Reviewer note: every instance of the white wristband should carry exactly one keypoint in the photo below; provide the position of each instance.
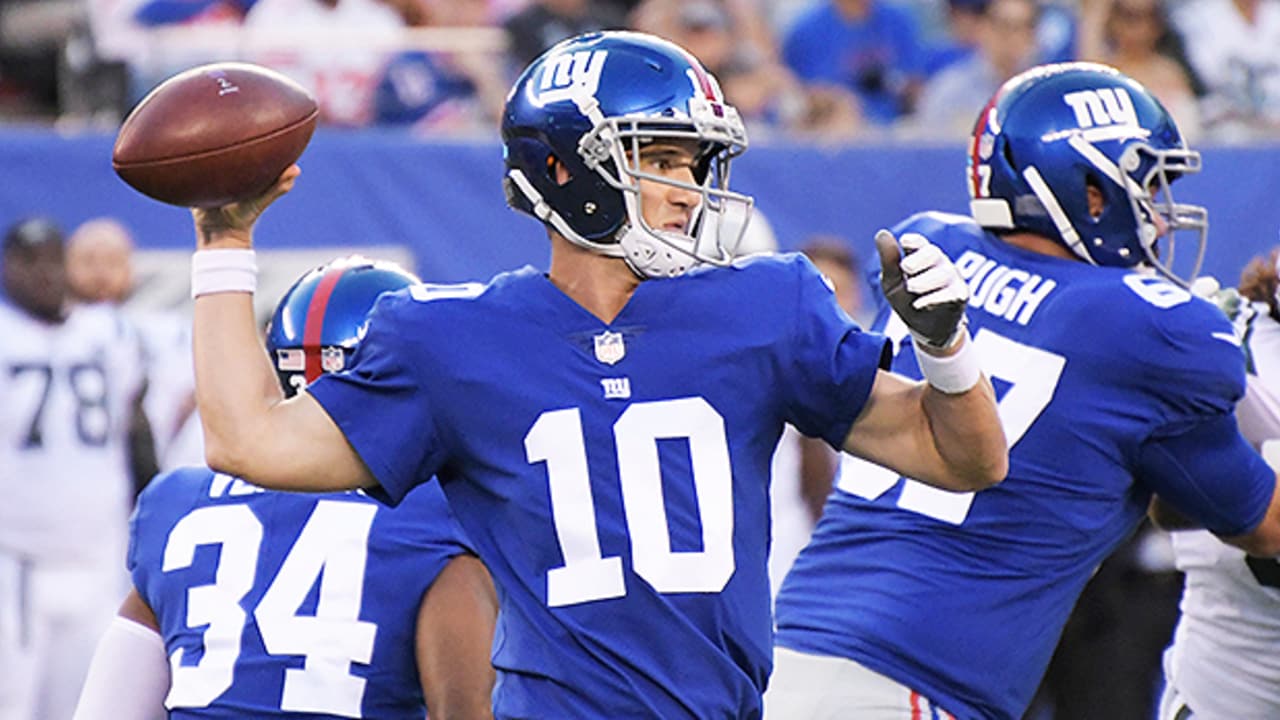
(223, 270)
(953, 374)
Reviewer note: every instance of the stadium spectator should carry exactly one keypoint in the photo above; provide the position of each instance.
(154, 13)
(952, 98)
(69, 377)
(911, 601)
(151, 40)
(961, 32)
(458, 91)
(871, 47)
(1056, 31)
(343, 79)
(604, 429)
(1234, 48)
(1131, 36)
(1222, 662)
(730, 39)
(544, 23)
(403, 611)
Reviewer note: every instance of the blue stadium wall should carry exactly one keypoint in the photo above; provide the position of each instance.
(443, 199)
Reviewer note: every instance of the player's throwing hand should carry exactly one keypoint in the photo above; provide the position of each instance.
(924, 288)
(232, 225)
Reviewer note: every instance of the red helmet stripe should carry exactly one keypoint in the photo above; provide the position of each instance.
(314, 328)
(704, 80)
(978, 131)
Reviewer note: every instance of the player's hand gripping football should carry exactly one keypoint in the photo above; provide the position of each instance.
(231, 226)
(924, 288)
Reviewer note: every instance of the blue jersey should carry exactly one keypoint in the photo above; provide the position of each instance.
(283, 605)
(613, 477)
(963, 596)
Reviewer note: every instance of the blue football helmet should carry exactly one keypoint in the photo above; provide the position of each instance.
(591, 102)
(1054, 130)
(318, 323)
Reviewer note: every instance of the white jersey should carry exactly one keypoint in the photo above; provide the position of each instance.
(1224, 661)
(65, 394)
(170, 404)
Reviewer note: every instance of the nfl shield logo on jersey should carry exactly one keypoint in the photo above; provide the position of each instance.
(609, 347)
(331, 359)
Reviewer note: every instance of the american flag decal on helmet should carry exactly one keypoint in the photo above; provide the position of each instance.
(291, 359)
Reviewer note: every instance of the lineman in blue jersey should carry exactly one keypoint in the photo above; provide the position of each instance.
(604, 430)
(282, 605)
(1222, 663)
(1114, 383)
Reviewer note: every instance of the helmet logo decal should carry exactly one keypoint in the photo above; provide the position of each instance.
(1104, 106)
(332, 359)
(569, 77)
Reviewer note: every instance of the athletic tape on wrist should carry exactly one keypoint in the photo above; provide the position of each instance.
(953, 374)
(223, 270)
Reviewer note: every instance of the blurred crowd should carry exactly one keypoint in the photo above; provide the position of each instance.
(815, 69)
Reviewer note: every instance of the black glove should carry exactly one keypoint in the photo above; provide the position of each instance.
(924, 288)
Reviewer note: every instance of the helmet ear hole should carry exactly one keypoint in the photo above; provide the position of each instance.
(1094, 196)
(558, 172)
(1007, 151)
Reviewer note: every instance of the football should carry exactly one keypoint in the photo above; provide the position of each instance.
(214, 134)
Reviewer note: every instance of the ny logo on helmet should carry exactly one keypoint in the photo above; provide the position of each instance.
(571, 76)
(1104, 106)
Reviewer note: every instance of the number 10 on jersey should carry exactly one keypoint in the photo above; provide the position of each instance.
(557, 439)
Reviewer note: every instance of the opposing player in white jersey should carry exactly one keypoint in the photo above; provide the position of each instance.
(604, 430)
(100, 277)
(1114, 381)
(253, 603)
(1223, 663)
(68, 380)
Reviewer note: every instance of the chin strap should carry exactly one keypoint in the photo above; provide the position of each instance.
(544, 212)
(652, 257)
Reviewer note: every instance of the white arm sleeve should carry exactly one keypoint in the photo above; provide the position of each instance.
(128, 677)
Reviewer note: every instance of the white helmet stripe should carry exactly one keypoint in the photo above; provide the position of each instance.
(1104, 164)
(1059, 217)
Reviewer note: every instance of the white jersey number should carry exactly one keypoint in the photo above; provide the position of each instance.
(556, 438)
(332, 547)
(1032, 375)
